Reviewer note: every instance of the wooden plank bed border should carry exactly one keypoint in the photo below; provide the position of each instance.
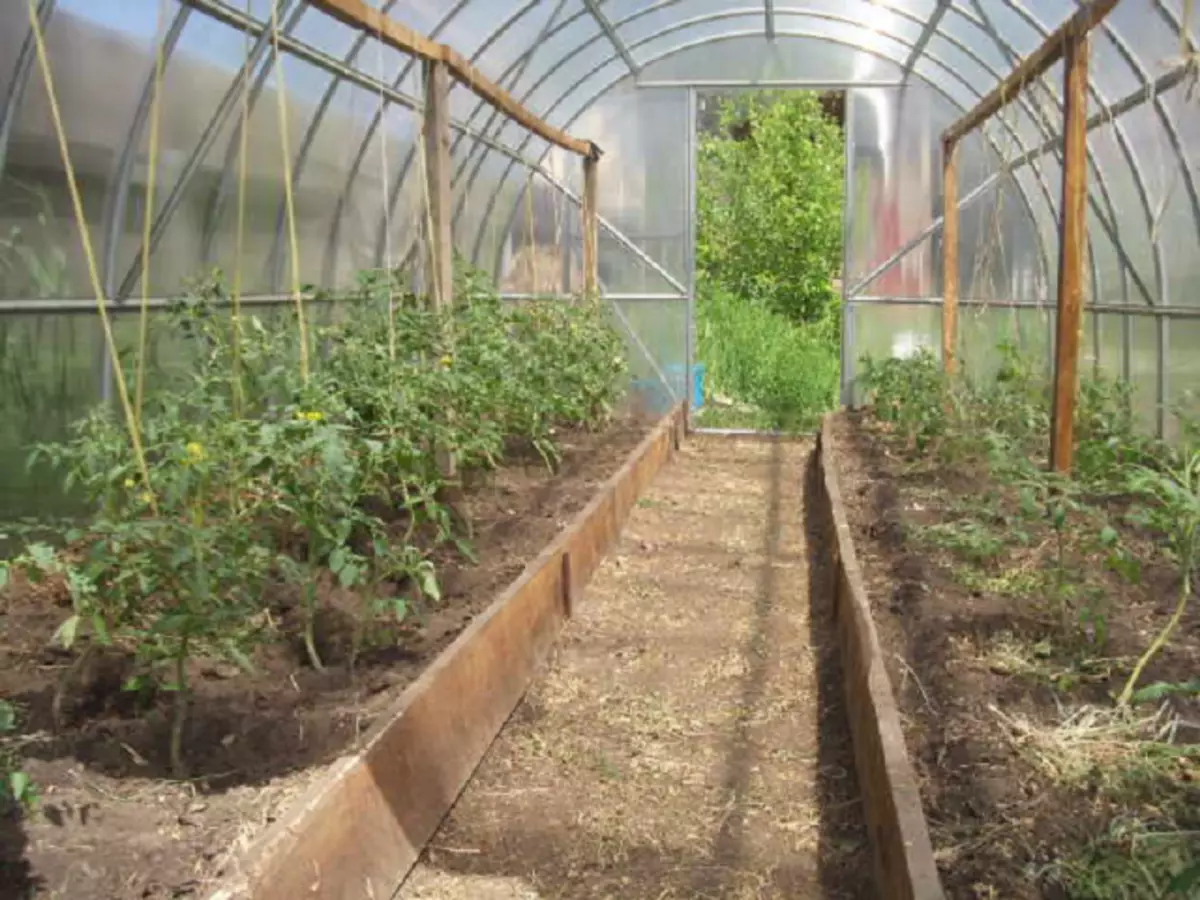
(898, 833)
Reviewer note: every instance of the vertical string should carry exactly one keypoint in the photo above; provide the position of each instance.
(531, 246)
(148, 218)
(131, 422)
(289, 193)
(240, 239)
(387, 206)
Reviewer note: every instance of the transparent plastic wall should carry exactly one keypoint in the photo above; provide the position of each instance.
(351, 144)
(1143, 251)
(644, 202)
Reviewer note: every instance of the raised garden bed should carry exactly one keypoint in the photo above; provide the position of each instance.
(109, 820)
(1008, 633)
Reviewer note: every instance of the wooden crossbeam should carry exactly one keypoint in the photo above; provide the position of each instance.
(1036, 63)
(364, 17)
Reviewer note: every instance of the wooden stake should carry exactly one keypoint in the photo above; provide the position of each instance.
(1072, 241)
(591, 231)
(950, 256)
(441, 238)
(437, 171)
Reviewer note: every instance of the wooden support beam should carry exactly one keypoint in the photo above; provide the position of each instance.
(360, 15)
(436, 128)
(437, 173)
(950, 268)
(1072, 243)
(1036, 63)
(591, 227)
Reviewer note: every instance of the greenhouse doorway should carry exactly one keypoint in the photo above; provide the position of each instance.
(770, 190)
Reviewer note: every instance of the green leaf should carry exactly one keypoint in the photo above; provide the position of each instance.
(100, 627)
(348, 574)
(337, 559)
(1185, 880)
(427, 580)
(18, 785)
(8, 717)
(65, 635)
(1152, 693)
(4, 575)
(1108, 536)
(134, 683)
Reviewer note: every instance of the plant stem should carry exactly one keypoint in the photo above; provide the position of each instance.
(1185, 594)
(310, 619)
(64, 685)
(180, 710)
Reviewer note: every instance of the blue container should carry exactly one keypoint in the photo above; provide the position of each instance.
(674, 374)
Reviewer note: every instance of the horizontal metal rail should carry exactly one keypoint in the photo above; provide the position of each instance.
(1047, 305)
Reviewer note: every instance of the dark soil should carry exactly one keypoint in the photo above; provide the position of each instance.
(1000, 823)
(112, 824)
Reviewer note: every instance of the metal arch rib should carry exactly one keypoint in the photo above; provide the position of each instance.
(811, 35)
(930, 27)
(118, 195)
(22, 69)
(825, 16)
(801, 12)
(508, 78)
(224, 108)
(275, 259)
(567, 92)
(1040, 83)
(368, 135)
(769, 19)
(1027, 158)
(611, 33)
(1122, 139)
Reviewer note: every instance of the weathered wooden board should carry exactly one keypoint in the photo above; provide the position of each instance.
(899, 835)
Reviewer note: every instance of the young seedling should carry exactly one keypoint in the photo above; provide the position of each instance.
(1174, 497)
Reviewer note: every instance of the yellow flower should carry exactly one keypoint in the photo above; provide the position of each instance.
(195, 452)
(310, 416)
(129, 482)
(146, 497)
(447, 360)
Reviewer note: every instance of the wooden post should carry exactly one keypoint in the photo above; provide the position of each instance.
(437, 174)
(950, 256)
(591, 230)
(1072, 241)
(441, 237)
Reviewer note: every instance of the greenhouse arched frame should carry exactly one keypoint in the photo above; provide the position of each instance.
(623, 75)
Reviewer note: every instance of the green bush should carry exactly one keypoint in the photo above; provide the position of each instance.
(770, 204)
(255, 475)
(789, 371)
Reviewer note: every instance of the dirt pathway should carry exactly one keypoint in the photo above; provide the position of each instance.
(687, 739)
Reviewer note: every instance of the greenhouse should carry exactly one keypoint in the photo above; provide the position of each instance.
(599, 448)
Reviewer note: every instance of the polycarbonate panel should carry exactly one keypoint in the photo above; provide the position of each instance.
(205, 63)
(107, 43)
(655, 342)
(49, 376)
(896, 190)
(886, 330)
(753, 58)
(642, 187)
(1183, 365)
(983, 330)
